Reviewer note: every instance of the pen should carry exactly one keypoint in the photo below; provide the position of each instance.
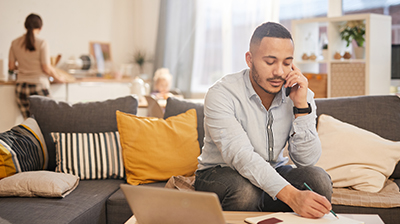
(309, 188)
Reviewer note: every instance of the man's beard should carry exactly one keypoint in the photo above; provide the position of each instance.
(257, 80)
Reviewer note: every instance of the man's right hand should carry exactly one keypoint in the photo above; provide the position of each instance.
(305, 203)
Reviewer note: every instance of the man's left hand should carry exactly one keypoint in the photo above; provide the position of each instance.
(299, 84)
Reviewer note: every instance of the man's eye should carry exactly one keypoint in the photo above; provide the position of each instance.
(269, 63)
(286, 64)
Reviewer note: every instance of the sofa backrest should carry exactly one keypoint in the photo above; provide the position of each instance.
(378, 114)
(177, 106)
(91, 117)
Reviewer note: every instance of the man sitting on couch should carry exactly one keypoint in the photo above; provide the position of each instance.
(248, 121)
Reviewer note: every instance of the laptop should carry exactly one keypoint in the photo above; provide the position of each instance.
(155, 205)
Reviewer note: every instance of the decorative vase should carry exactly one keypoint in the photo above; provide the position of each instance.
(359, 52)
(138, 87)
(337, 56)
(347, 55)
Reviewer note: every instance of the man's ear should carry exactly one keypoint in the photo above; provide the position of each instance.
(249, 59)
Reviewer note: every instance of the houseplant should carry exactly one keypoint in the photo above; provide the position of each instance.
(139, 87)
(354, 30)
(325, 51)
(140, 58)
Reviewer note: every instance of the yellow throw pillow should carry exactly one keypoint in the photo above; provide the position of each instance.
(355, 157)
(155, 149)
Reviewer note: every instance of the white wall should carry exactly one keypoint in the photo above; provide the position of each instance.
(69, 26)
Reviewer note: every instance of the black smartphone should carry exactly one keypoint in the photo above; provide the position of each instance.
(288, 89)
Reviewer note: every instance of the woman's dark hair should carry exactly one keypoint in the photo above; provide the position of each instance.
(33, 21)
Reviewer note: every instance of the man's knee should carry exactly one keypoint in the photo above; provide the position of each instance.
(319, 180)
(242, 197)
(235, 192)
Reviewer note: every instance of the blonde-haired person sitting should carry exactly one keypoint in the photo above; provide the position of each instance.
(162, 84)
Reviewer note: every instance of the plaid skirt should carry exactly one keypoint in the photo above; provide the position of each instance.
(23, 91)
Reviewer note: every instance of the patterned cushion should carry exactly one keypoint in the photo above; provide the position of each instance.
(89, 155)
(22, 149)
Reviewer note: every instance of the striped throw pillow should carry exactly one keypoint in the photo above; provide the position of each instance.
(22, 149)
(89, 155)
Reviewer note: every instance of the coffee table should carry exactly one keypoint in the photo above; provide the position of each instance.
(238, 217)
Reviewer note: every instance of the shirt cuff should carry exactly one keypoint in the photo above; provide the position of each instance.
(303, 123)
(280, 184)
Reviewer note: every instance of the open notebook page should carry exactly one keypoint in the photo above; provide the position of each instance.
(294, 218)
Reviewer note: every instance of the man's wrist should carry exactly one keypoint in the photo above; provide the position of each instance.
(287, 193)
(301, 104)
(303, 110)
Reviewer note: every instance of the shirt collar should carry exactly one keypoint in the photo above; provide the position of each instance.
(249, 87)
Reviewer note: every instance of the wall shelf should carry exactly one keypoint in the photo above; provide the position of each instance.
(376, 64)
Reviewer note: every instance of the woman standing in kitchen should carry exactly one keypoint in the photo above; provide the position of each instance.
(29, 54)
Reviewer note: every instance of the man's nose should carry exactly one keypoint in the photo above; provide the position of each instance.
(278, 71)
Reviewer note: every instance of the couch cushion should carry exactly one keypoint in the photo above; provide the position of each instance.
(378, 114)
(388, 197)
(354, 157)
(177, 106)
(86, 204)
(38, 184)
(22, 149)
(89, 155)
(57, 116)
(155, 149)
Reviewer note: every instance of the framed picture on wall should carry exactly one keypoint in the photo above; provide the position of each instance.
(101, 52)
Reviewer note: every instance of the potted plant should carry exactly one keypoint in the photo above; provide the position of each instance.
(354, 30)
(140, 58)
(139, 87)
(325, 51)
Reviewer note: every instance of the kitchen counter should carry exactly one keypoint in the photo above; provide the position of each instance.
(87, 79)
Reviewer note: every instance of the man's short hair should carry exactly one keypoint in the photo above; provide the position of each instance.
(269, 29)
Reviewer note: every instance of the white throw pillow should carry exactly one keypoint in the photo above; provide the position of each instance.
(355, 157)
(38, 184)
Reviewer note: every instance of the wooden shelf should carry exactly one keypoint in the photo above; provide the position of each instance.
(377, 59)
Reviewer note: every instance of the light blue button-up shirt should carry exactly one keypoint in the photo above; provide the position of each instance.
(242, 134)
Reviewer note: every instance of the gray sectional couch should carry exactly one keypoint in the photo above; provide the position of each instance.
(101, 201)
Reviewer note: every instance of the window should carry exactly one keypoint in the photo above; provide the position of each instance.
(390, 7)
(223, 32)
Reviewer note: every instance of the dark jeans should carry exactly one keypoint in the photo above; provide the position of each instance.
(236, 193)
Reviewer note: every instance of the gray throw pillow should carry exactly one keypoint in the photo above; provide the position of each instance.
(91, 117)
(177, 106)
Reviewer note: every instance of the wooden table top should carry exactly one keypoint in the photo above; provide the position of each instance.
(238, 217)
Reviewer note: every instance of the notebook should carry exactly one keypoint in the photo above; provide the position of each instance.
(289, 217)
(155, 205)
